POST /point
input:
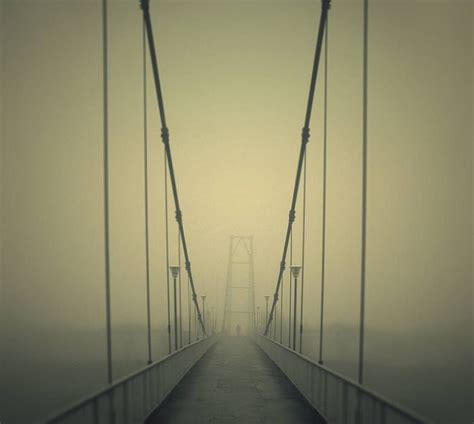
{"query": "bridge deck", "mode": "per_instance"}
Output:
(235, 382)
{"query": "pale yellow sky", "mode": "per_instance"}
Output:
(235, 80)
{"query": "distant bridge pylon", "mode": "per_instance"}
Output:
(239, 309)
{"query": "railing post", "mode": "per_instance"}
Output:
(144, 394)
(125, 402)
(95, 411)
(382, 414)
(358, 411)
(344, 402)
(111, 398)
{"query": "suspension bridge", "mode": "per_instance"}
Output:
(249, 364)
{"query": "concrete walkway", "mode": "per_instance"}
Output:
(235, 382)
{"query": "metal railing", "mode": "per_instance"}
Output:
(133, 398)
(338, 399)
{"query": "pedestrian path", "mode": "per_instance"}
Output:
(235, 382)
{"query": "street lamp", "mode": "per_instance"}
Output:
(196, 328)
(175, 272)
(281, 310)
(203, 311)
(266, 308)
(213, 315)
(275, 322)
(258, 312)
(295, 270)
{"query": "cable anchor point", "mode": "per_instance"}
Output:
(305, 134)
(326, 4)
(165, 135)
(292, 215)
(145, 5)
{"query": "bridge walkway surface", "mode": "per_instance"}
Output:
(235, 382)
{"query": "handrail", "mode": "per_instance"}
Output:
(73, 407)
(405, 412)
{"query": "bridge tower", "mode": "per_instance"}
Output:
(239, 309)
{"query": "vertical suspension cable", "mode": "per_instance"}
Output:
(175, 312)
(167, 252)
(195, 324)
(323, 238)
(147, 240)
(179, 294)
(364, 192)
(295, 305)
(290, 280)
(281, 310)
(303, 254)
(189, 315)
(108, 312)
(275, 325)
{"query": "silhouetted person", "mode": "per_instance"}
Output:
(237, 330)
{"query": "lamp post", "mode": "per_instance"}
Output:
(295, 270)
(212, 319)
(258, 312)
(266, 308)
(180, 314)
(196, 329)
(289, 311)
(175, 272)
(275, 323)
(204, 310)
(189, 314)
(281, 310)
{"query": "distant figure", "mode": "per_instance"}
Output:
(237, 330)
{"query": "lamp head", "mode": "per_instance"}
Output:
(295, 270)
(174, 271)
(267, 297)
(203, 297)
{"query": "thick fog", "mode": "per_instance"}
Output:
(235, 77)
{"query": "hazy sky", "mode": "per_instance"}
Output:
(235, 77)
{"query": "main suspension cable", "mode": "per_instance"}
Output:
(145, 6)
(304, 140)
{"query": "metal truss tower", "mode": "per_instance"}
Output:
(240, 293)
